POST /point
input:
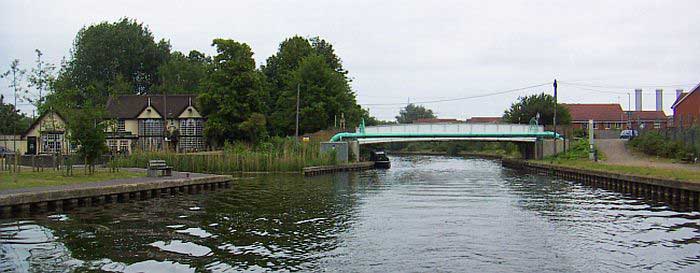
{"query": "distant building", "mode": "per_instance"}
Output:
(604, 116)
(686, 108)
(140, 123)
(46, 135)
(647, 119)
(436, 120)
(485, 120)
(133, 122)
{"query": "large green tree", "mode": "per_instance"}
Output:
(12, 121)
(412, 112)
(234, 96)
(525, 108)
(324, 97)
(183, 74)
(325, 93)
(104, 52)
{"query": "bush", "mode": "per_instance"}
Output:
(653, 143)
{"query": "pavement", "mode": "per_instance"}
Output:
(114, 182)
(617, 153)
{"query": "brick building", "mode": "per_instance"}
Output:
(686, 108)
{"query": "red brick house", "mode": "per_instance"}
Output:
(604, 116)
(485, 120)
(435, 120)
(647, 119)
(686, 108)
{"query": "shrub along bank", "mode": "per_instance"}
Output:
(276, 155)
(653, 143)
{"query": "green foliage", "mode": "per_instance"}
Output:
(527, 107)
(412, 112)
(40, 78)
(653, 143)
(12, 121)
(325, 93)
(276, 155)
(106, 50)
(86, 131)
(234, 100)
(324, 96)
(577, 150)
(183, 74)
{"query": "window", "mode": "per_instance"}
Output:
(124, 146)
(151, 127)
(657, 125)
(112, 144)
(121, 127)
(52, 142)
(191, 135)
(191, 127)
(151, 133)
(607, 126)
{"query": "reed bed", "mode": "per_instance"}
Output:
(277, 156)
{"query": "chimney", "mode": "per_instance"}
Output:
(637, 99)
(659, 99)
(679, 92)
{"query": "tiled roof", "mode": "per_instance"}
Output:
(679, 98)
(485, 120)
(685, 95)
(584, 112)
(130, 106)
(435, 120)
(647, 115)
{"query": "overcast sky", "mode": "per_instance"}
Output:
(398, 51)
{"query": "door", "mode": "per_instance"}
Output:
(31, 145)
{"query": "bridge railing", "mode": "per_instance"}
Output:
(454, 128)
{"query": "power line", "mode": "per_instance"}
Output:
(463, 98)
(628, 87)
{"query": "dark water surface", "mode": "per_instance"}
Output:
(426, 214)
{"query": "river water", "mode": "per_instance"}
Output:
(425, 214)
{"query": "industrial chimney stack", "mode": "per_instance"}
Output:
(638, 99)
(659, 99)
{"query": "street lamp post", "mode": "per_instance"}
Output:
(554, 119)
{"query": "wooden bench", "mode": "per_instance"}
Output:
(155, 166)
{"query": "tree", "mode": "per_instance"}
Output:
(12, 121)
(525, 108)
(412, 112)
(234, 96)
(183, 74)
(104, 51)
(87, 132)
(41, 78)
(325, 95)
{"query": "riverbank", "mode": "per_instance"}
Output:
(63, 197)
(675, 191)
(27, 178)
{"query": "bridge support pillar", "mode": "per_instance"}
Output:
(339, 147)
(529, 150)
(354, 150)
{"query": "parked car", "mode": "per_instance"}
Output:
(628, 134)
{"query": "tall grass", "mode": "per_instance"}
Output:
(278, 155)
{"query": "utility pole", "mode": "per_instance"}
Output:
(554, 120)
(629, 109)
(296, 131)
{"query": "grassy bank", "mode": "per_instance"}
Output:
(29, 179)
(279, 155)
(577, 157)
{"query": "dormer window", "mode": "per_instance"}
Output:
(121, 126)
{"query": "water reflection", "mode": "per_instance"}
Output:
(424, 214)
